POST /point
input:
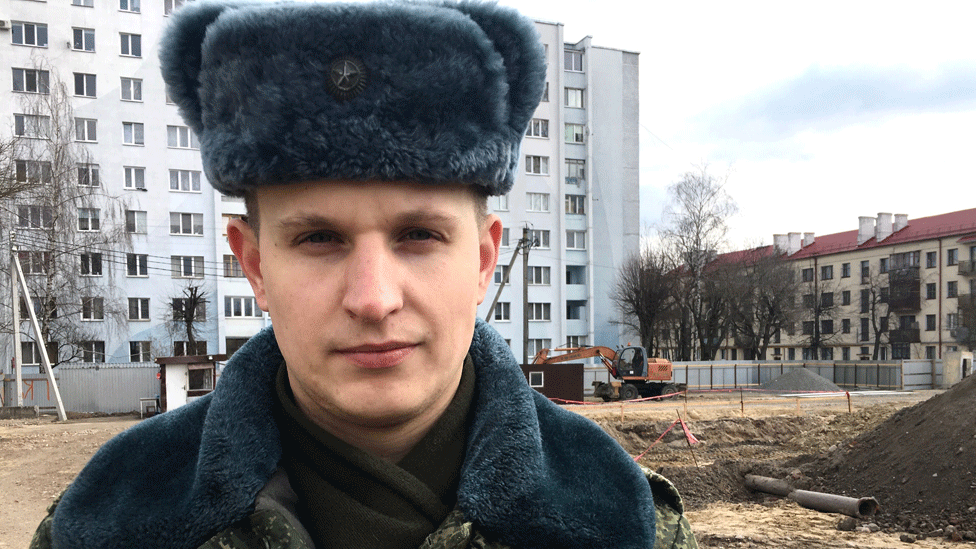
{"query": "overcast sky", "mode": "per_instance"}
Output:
(819, 112)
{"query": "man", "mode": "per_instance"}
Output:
(378, 412)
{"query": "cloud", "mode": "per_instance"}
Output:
(826, 99)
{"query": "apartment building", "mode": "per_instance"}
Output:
(577, 192)
(576, 199)
(905, 286)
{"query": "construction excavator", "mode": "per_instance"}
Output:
(634, 375)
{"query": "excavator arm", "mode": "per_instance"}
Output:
(606, 355)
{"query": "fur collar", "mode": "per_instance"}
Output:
(534, 475)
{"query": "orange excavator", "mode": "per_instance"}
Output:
(634, 375)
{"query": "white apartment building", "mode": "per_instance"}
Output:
(578, 190)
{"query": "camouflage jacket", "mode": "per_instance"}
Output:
(206, 474)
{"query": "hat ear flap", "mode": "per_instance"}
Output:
(181, 56)
(517, 40)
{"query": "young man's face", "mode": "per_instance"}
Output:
(373, 290)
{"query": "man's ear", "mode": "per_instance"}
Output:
(491, 238)
(244, 243)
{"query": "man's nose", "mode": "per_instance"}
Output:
(372, 283)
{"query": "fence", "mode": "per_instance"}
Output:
(893, 375)
(85, 387)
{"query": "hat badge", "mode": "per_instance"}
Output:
(347, 77)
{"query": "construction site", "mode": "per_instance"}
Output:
(910, 451)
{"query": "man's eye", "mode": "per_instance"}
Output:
(419, 234)
(320, 238)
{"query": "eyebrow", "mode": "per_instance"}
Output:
(408, 218)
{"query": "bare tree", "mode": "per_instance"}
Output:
(66, 228)
(874, 299)
(763, 299)
(643, 293)
(187, 319)
(819, 310)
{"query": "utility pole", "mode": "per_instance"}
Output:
(525, 297)
(522, 246)
(15, 308)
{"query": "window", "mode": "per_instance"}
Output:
(845, 270)
(845, 325)
(83, 3)
(29, 34)
(538, 128)
(505, 234)
(132, 133)
(184, 181)
(235, 343)
(88, 219)
(32, 171)
(31, 352)
(900, 351)
(536, 379)
(131, 44)
(826, 353)
(187, 266)
(92, 351)
(232, 267)
(791, 354)
(91, 264)
(35, 217)
(952, 256)
(827, 272)
(576, 341)
(574, 98)
(883, 295)
(807, 274)
(241, 307)
(807, 327)
(31, 125)
(865, 329)
(845, 297)
(503, 310)
(930, 290)
(540, 311)
(576, 204)
(930, 352)
(501, 271)
(574, 61)
(537, 165)
(185, 223)
(575, 171)
(135, 178)
(84, 40)
(88, 175)
(574, 133)
(84, 85)
(865, 271)
(845, 353)
(536, 345)
(930, 259)
(499, 203)
(31, 81)
(131, 89)
(827, 299)
(180, 137)
(952, 320)
(827, 326)
(575, 309)
(883, 265)
(129, 5)
(575, 274)
(539, 276)
(85, 129)
(139, 351)
(185, 348)
(184, 310)
(929, 323)
(34, 262)
(537, 202)
(575, 240)
(865, 300)
(540, 238)
(137, 265)
(169, 6)
(952, 289)
(93, 308)
(138, 308)
(545, 93)
(135, 221)
(808, 302)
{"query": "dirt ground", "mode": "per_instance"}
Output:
(765, 435)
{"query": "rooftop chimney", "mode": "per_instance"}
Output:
(807, 239)
(780, 243)
(865, 229)
(793, 243)
(883, 229)
(901, 221)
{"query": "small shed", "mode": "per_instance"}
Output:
(563, 381)
(183, 379)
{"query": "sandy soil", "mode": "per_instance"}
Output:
(757, 434)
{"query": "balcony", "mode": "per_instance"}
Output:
(967, 267)
(967, 301)
(905, 290)
(905, 335)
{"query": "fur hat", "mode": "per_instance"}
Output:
(285, 92)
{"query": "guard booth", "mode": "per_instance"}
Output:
(184, 379)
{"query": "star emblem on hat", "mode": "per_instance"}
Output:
(347, 77)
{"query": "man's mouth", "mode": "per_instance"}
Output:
(378, 355)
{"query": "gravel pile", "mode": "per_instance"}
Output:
(800, 380)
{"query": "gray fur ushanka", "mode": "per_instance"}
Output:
(449, 91)
(534, 475)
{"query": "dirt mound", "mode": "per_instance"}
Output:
(918, 463)
(801, 380)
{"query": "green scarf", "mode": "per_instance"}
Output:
(350, 498)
